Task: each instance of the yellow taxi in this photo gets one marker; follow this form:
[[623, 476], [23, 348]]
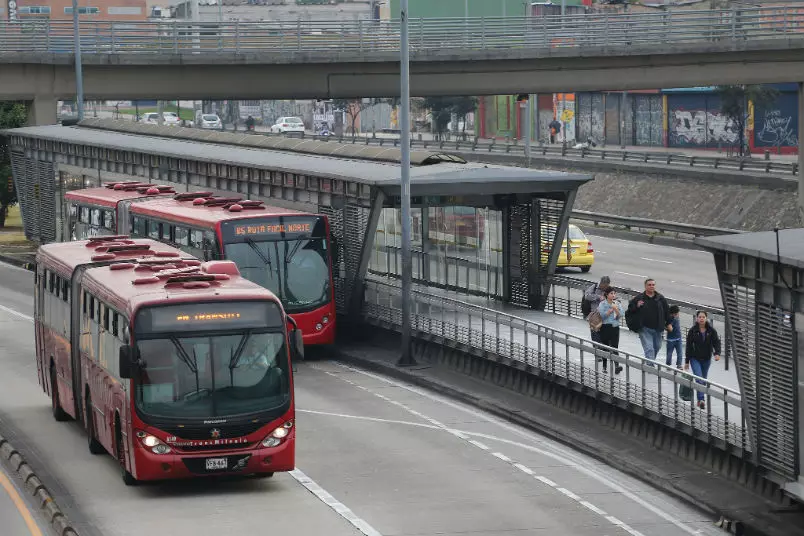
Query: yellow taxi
[[579, 254]]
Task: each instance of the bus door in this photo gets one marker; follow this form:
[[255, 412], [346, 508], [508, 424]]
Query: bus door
[[39, 303], [80, 336], [123, 219]]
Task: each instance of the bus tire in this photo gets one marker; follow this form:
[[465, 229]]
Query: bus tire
[[55, 405], [94, 445], [128, 478]]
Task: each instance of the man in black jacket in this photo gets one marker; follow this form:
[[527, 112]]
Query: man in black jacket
[[653, 313]]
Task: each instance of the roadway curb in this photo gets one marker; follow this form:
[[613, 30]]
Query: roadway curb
[[727, 520], [16, 261], [37, 489]]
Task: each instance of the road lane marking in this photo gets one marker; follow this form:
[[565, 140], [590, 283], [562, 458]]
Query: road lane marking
[[705, 287], [340, 508], [502, 457], [16, 498], [632, 275], [656, 260], [16, 313], [561, 455], [373, 419]]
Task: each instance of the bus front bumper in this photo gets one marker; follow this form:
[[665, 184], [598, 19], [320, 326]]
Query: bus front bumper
[[150, 466]]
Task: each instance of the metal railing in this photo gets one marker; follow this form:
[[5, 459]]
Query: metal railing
[[614, 32], [650, 386], [654, 225], [517, 151]]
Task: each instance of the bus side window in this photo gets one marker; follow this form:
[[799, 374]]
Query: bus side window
[[95, 217], [153, 229], [166, 232], [115, 324], [105, 310], [108, 220], [52, 281], [84, 303], [65, 290], [84, 215], [91, 307], [138, 227], [182, 236], [210, 248]]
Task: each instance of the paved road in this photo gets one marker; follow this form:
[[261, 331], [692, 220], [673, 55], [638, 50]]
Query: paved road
[[682, 274], [388, 457]]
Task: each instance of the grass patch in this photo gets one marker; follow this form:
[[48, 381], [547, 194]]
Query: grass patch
[[12, 233]]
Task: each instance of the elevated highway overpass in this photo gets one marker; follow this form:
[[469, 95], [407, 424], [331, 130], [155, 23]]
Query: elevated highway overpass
[[360, 59]]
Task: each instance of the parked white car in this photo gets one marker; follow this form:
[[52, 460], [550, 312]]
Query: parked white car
[[208, 121], [286, 125], [171, 119], [150, 118]]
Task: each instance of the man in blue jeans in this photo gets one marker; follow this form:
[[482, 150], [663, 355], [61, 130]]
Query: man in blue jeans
[[654, 318]]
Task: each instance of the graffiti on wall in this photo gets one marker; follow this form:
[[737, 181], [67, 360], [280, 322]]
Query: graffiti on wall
[[701, 127], [776, 129], [648, 120]]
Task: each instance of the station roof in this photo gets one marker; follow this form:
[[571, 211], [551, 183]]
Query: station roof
[[438, 178], [761, 245]]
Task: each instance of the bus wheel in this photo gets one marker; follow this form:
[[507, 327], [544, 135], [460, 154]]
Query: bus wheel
[[128, 478], [94, 445], [55, 406]]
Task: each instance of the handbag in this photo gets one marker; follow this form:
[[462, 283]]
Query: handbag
[[595, 320], [685, 392]]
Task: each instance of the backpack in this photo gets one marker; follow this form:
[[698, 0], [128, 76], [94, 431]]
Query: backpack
[[586, 305], [632, 317], [595, 321]]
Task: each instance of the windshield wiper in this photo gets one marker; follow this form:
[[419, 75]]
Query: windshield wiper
[[253, 245], [185, 357], [234, 357]]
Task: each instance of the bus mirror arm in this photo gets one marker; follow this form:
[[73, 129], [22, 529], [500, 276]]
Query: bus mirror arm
[[298, 343], [126, 365]]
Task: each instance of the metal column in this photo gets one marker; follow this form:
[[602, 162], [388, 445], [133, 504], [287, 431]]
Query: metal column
[[358, 286]]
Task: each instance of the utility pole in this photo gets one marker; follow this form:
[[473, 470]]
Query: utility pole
[[79, 74], [406, 359]]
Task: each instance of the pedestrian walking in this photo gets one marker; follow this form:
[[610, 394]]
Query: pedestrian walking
[[648, 314], [592, 296], [555, 130], [702, 343], [674, 336], [610, 311]]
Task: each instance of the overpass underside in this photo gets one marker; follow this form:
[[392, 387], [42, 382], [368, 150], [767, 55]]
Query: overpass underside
[[519, 241]]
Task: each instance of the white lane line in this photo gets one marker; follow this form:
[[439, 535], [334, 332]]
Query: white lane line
[[705, 287], [479, 445], [593, 508], [16, 313], [501, 456], [632, 275], [560, 454], [656, 260], [341, 509], [372, 419]]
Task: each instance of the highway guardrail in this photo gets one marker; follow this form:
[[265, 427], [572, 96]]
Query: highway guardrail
[[613, 32]]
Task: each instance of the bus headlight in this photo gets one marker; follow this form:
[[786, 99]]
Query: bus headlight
[[325, 320], [153, 443], [319, 327], [275, 438]]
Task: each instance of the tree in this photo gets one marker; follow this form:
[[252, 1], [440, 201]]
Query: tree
[[12, 115], [734, 105], [354, 107], [442, 108]]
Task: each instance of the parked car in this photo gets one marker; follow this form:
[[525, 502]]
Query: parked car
[[208, 121], [579, 253], [286, 125], [150, 118], [171, 119]]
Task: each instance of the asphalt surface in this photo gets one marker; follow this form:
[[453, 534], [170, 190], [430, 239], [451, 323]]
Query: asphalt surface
[[380, 458], [18, 516]]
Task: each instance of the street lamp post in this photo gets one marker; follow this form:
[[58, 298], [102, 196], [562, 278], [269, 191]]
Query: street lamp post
[[406, 359], [79, 75]]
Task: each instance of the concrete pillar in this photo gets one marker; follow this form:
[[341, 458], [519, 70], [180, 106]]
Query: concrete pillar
[[800, 153], [42, 111]]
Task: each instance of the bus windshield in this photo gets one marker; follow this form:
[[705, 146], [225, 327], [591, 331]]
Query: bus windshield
[[202, 376], [288, 256]]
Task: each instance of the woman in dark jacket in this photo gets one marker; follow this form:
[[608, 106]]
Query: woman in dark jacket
[[702, 343]]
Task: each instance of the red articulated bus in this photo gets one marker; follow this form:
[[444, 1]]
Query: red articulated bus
[[285, 251], [175, 367]]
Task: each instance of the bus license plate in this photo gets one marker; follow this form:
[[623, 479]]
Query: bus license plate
[[216, 464]]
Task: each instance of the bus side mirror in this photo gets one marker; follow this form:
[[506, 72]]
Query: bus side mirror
[[125, 365], [298, 343]]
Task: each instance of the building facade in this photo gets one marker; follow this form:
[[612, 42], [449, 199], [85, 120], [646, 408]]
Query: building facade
[[62, 10]]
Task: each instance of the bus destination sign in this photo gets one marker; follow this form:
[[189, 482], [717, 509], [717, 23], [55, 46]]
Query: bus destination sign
[[273, 228], [206, 316]]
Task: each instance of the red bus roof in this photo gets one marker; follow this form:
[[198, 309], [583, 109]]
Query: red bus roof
[[208, 215], [108, 196], [130, 273]]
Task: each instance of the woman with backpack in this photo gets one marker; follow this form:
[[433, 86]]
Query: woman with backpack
[[610, 312], [702, 342]]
